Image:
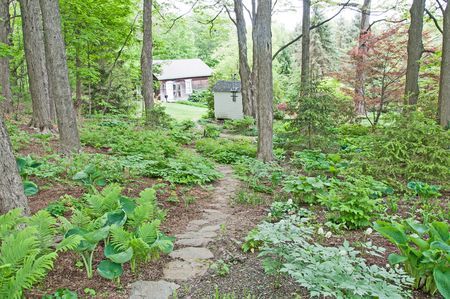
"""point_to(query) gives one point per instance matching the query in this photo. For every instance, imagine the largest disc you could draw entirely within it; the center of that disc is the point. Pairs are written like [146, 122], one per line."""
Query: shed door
[169, 90]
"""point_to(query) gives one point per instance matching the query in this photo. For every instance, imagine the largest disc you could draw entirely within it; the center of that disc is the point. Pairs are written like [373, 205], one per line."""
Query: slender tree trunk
[444, 88]
[11, 188]
[146, 59]
[244, 68]
[33, 36]
[5, 85]
[306, 43]
[78, 87]
[265, 80]
[415, 50]
[361, 63]
[58, 74]
[254, 74]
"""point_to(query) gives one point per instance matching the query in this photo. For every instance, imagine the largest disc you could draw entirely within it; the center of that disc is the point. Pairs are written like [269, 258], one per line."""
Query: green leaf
[442, 279]
[164, 243]
[97, 235]
[80, 176]
[101, 182]
[440, 245]
[116, 218]
[116, 256]
[394, 232]
[395, 259]
[109, 270]
[30, 188]
[440, 230]
[420, 229]
[128, 205]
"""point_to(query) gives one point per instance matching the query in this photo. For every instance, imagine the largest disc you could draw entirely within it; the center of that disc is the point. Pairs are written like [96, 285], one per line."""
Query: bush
[411, 147]
[259, 176]
[226, 151]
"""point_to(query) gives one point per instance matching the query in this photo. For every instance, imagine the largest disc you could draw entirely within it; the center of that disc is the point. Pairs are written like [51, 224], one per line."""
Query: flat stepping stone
[182, 270]
[152, 289]
[195, 242]
[196, 235]
[192, 254]
[195, 224]
[210, 228]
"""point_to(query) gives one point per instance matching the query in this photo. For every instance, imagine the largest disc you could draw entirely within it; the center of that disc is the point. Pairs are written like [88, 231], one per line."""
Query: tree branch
[181, 16]
[435, 21]
[311, 28]
[229, 15]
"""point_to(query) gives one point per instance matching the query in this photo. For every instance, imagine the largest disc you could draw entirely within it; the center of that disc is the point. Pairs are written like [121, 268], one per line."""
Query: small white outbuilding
[228, 100]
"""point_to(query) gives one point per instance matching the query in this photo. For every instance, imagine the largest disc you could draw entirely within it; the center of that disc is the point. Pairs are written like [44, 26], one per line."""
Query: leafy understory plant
[26, 250]
[424, 252]
[24, 164]
[337, 272]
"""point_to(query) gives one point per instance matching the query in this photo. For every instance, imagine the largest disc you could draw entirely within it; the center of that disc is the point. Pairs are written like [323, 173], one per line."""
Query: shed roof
[227, 86]
[182, 68]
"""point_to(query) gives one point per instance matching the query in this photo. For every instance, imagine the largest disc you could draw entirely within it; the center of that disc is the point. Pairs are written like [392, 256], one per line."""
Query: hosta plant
[305, 189]
[424, 252]
[24, 164]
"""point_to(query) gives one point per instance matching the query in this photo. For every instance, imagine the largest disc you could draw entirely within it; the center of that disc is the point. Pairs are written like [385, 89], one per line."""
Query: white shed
[228, 104]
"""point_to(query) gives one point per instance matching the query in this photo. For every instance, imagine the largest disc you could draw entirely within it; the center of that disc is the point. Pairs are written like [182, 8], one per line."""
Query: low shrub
[245, 126]
[259, 176]
[226, 151]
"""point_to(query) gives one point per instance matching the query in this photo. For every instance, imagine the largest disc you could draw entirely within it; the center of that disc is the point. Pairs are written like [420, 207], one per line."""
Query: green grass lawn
[184, 112]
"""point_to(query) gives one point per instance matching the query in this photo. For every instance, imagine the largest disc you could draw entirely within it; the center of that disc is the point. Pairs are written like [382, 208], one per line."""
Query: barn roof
[227, 86]
[182, 68]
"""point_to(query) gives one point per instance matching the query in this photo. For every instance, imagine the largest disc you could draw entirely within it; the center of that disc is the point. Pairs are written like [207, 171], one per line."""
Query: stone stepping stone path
[192, 258]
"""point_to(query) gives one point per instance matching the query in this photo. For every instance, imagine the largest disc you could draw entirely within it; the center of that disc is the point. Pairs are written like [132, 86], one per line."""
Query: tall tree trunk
[265, 80]
[5, 85]
[146, 59]
[244, 68]
[415, 50]
[33, 36]
[11, 188]
[306, 43]
[444, 87]
[362, 52]
[254, 74]
[78, 85]
[58, 75]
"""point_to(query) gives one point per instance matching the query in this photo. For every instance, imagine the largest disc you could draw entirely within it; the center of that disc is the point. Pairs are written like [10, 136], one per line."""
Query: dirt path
[191, 257]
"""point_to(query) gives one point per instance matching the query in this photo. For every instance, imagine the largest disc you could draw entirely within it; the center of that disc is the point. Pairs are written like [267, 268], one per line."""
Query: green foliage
[248, 198]
[26, 253]
[280, 209]
[226, 151]
[200, 97]
[62, 294]
[259, 176]
[132, 225]
[314, 112]
[221, 268]
[423, 190]
[245, 126]
[424, 252]
[313, 161]
[90, 176]
[158, 118]
[353, 203]
[212, 131]
[24, 165]
[324, 271]
[411, 147]
[305, 189]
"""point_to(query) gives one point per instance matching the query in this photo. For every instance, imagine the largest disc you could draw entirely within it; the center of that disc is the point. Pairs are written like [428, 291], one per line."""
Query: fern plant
[26, 253]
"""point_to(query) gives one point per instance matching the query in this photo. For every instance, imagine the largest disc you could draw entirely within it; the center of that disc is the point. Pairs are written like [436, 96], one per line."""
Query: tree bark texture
[265, 80]
[33, 36]
[5, 85]
[58, 77]
[11, 188]
[444, 89]
[244, 68]
[415, 50]
[146, 59]
[306, 43]
[361, 56]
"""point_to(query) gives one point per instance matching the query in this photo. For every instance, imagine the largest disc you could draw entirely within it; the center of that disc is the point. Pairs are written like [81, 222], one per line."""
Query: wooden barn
[180, 78]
